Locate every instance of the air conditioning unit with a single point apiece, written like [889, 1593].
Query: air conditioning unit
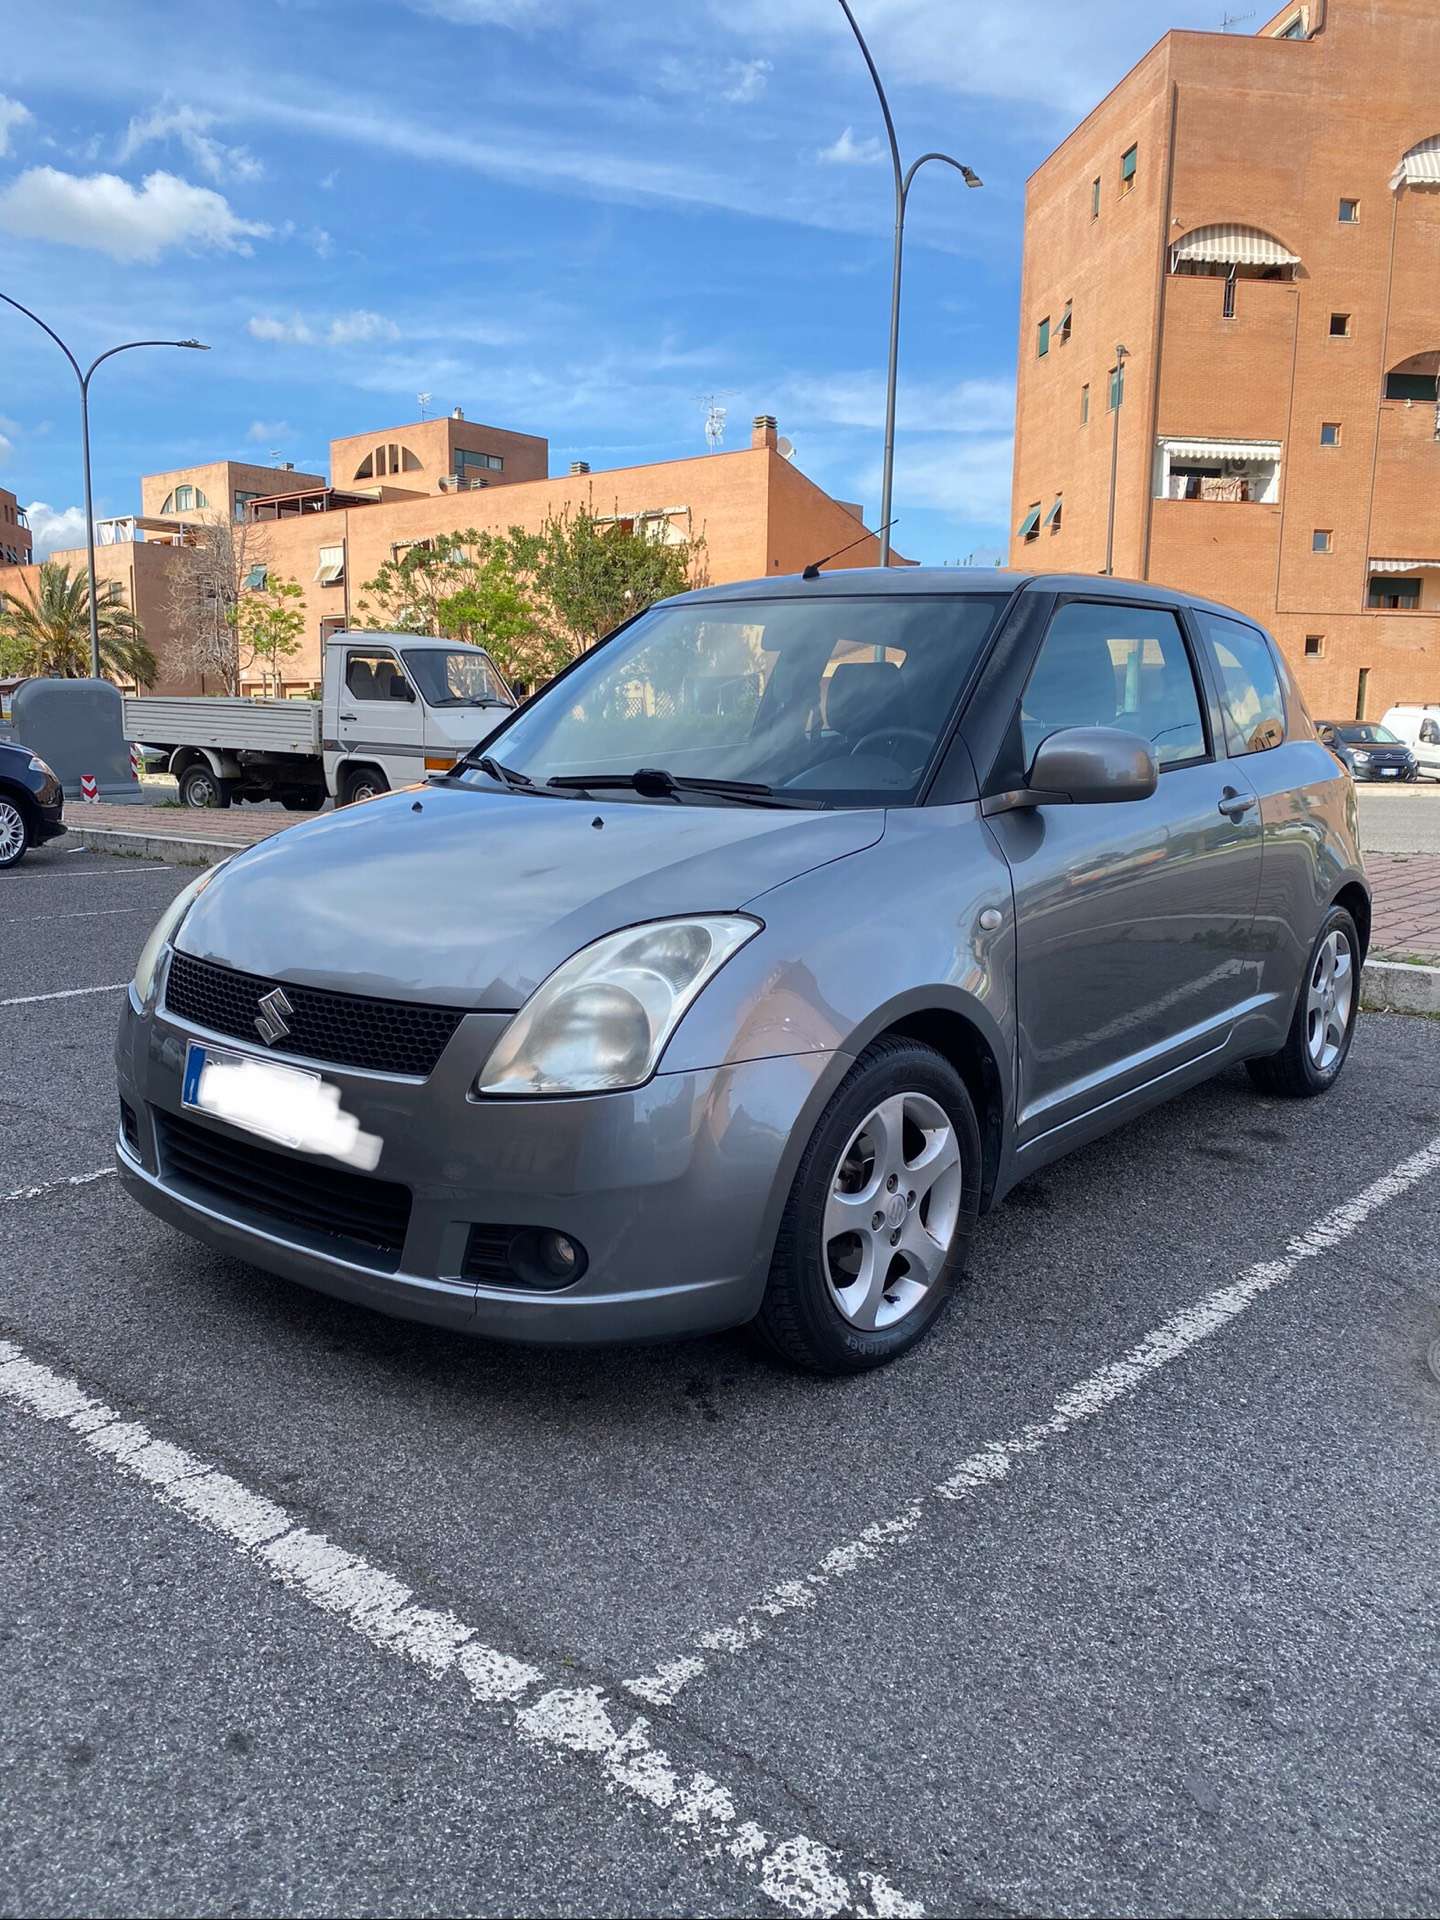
[449, 482]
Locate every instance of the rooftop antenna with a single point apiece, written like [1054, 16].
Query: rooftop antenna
[1229, 20]
[716, 413]
[277, 456]
[423, 400]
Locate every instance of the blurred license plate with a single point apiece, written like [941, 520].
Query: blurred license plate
[259, 1095]
[1389, 773]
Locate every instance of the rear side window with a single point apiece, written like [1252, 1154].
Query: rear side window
[1102, 665]
[1250, 695]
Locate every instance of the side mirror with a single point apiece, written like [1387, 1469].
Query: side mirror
[1083, 767]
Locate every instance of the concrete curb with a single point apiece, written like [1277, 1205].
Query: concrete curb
[179, 850]
[1396, 986]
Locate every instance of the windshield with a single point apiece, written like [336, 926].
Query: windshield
[1370, 735]
[839, 699]
[464, 678]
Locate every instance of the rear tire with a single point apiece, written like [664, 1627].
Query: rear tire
[14, 834]
[303, 802]
[1323, 1027]
[899, 1145]
[199, 787]
[363, 783]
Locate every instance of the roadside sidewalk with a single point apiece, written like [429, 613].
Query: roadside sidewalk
[183, 835]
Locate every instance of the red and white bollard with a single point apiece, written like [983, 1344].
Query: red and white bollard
[89, 787]
[137, 761]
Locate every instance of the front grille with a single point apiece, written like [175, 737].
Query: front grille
[368, 1216]
[347, 1029]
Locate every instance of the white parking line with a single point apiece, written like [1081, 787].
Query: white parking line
[65, 993]
[997, 1459]
[118, 871]
[797, 1874]
[54, 1186]
[90, 913]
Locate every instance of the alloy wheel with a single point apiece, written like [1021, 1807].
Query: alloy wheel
[892, 1211]
[1329, 996]
[12, 832]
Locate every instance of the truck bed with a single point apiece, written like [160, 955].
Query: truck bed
[239, 726]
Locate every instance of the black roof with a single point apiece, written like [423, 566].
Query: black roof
[848, 581]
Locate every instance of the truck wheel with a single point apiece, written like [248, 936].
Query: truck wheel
[200, 788]
[306, 802]
[363, 784]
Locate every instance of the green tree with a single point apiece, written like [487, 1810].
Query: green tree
[590, 574]
[464, 587]
[46, 628]
[269, 624]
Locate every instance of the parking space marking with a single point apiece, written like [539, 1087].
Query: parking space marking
[55, 1186]
[89, 913]
[79, 873]
[997, 1459]
[797, 1874]
[65, 993]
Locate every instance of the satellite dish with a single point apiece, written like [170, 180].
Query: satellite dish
[785, 447]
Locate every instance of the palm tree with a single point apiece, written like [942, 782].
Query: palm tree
[50, 628]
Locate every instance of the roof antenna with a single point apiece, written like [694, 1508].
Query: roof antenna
[812, 572]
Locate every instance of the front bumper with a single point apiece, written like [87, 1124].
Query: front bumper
[674, 1189]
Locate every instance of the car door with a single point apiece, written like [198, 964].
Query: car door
[1427, 746]
[1134, 919]
[378, 714]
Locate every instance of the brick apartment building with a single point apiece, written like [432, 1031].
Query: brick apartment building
[14, 532]
[1256, 219]
[390, 489]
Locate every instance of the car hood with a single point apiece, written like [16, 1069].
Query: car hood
[470, 898]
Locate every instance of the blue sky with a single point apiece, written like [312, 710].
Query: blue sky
[569, 218]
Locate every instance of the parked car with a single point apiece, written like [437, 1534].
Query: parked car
[1419, 728]
[392, 706]
[1370, 751]
[32, 804]
[665, 1012]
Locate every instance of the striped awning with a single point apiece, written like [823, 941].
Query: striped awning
[1221, 449]
[1235, 246]
[1403, 566]
[1420, 166]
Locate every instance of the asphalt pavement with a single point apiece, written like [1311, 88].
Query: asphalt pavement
[1119, 1595]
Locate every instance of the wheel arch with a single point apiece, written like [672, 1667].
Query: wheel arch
[1356, 901]
[25, 801]
[345, 770]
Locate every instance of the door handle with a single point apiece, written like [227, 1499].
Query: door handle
[348, 716]
[1234, 804]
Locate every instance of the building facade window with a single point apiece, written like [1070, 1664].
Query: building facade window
[1084, 405]
[1042, 338]
[1322, 540]
[1065, 322]
[1329, 433]
[1095, 198]
[185, 499]
[330, 571]
[1116, 387]
[1339, 326]
[1128, 162]
[242, 501]
[1349, 212]
[1314, 646]
[1029, 527]
[1411, 386]
[1392, 595]
[469, 465]
[386, 460]
[1053, 517]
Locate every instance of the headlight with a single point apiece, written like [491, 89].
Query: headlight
[165, 929]
[37, 765]
[1361, 758]
[602, 1019]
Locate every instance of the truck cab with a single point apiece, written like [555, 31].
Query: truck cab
[396, 706]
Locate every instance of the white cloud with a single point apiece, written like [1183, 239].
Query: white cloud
[190, 127]
[52, 528]
[103, 211]
[7, 447]
[967, 478]
[327, 180]
[858, 400]
[269, 432]
[747, 80]
[494, 13]
[847, 151]
[322, 241]
[345, 330]
[12, 115]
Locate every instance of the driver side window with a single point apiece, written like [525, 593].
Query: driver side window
[1127, 667]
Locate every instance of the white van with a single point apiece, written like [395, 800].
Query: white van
[1419, 728]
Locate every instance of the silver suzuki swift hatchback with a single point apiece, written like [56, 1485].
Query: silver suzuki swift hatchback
[754, 959]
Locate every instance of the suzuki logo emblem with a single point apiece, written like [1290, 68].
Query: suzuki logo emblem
[273, 1022]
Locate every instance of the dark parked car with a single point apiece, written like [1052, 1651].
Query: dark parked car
[744, 967]
[32, 806]
[1370, 751]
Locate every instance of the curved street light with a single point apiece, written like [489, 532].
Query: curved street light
[904, 180]
[84, 380]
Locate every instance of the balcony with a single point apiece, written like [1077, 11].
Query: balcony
[1226, 472]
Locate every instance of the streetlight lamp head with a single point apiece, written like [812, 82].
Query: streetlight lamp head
[199, 346]
[972, 179]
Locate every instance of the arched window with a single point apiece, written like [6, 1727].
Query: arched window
[1417, 378]
[386, 460]
[185, 500]
[1420, 167]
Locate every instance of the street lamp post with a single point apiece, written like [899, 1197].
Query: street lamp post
[1117, 398]
[904, 180]
[84, 380]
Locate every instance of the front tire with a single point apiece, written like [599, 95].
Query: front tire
[1323, 1026]
[878, 1223]
[363, 784]
[14, 834]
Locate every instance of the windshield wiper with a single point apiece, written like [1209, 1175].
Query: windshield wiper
[657, 783]
[507, 776]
